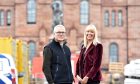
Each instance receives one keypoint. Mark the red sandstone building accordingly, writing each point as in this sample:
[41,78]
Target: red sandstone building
[117,22]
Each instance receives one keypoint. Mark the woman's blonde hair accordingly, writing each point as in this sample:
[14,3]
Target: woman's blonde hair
[92,28]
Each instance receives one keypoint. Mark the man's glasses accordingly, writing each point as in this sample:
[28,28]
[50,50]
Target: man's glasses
[60,32]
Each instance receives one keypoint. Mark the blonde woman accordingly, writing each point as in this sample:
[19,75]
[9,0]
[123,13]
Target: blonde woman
[89,62]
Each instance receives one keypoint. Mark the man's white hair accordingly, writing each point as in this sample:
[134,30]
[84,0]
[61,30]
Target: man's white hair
[56,28]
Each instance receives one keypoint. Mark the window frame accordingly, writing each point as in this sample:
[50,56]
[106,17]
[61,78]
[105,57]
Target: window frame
[120,20]
[112,57]
[113,18]
[8,17]
[31,11]
[106,18]
[84,12]
[32,43]
[2,18]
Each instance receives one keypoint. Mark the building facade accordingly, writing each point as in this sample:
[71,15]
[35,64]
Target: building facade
[117,22]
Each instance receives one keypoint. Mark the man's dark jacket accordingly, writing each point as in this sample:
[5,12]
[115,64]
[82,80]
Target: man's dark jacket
[56,63]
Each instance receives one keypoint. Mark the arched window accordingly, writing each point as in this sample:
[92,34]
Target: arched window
[32,50]
[120,18]
[84,12]
[31,12]
[106,18]
[113,52]
[1,17]
[8,18]
[113,18]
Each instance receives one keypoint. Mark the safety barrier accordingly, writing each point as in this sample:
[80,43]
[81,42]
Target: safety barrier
[19,52]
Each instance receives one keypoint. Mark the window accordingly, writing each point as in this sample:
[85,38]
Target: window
[84,12]
[113,52]
[106,18]
[113,18]
[120,18]
[8,17]
[32,50]
[31,12]
[1,17]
